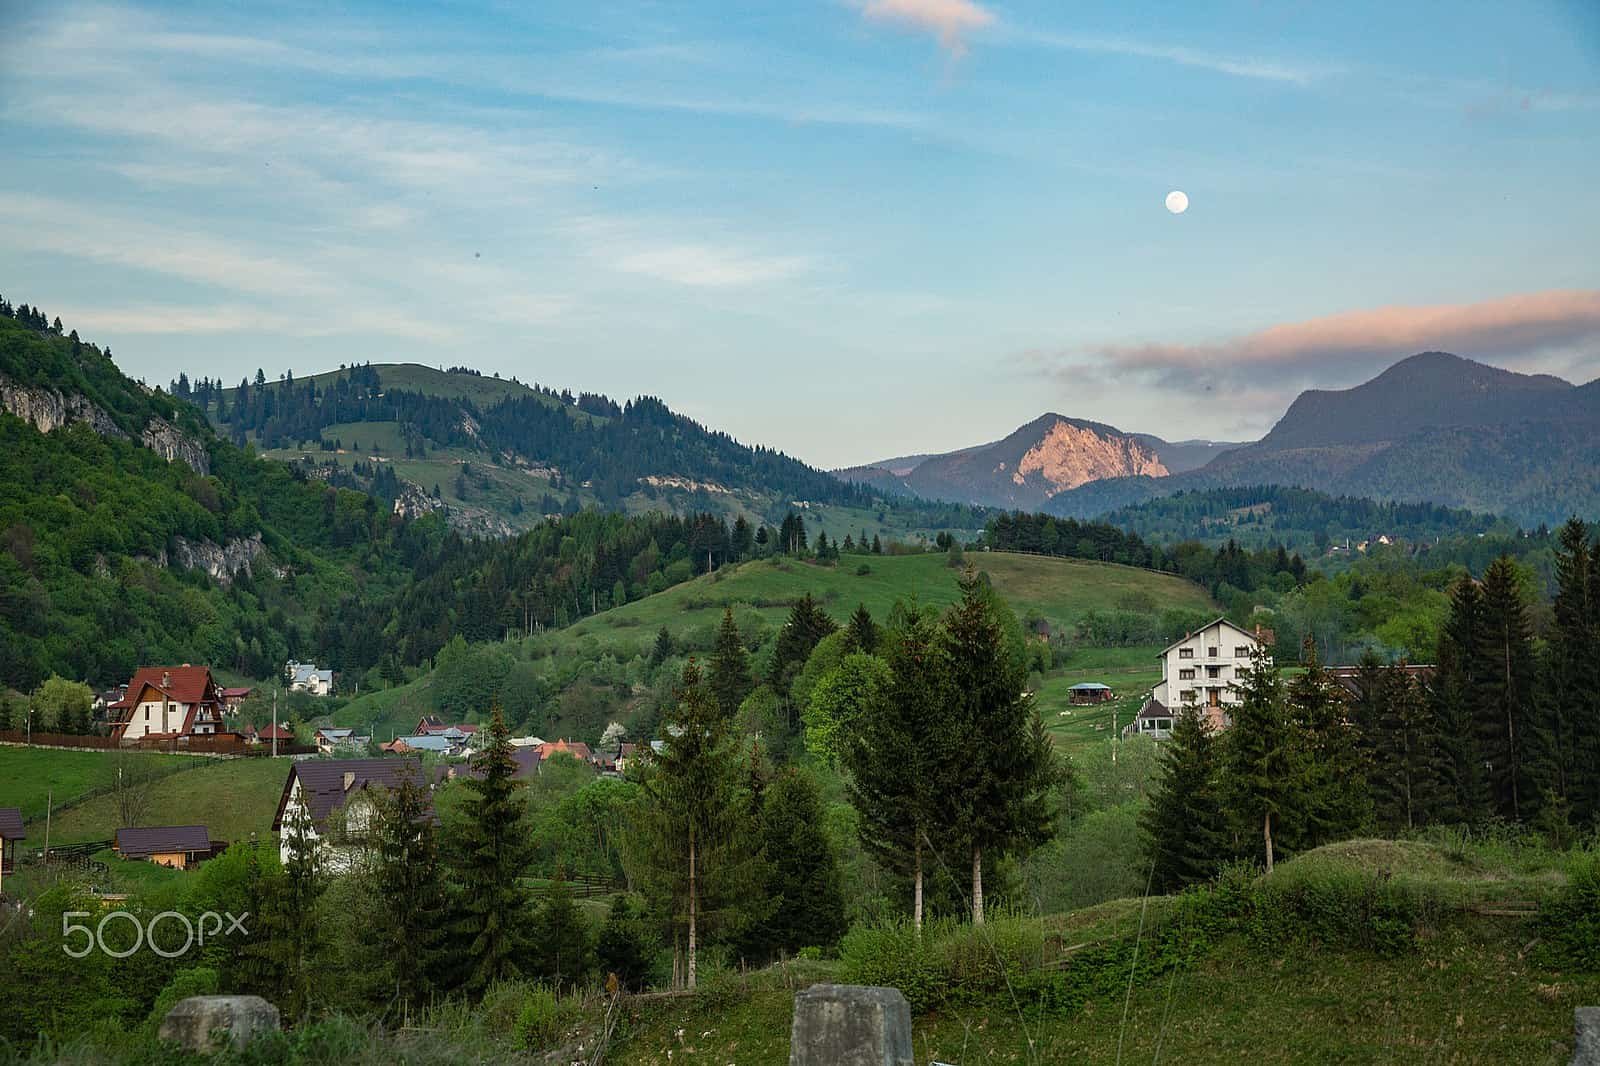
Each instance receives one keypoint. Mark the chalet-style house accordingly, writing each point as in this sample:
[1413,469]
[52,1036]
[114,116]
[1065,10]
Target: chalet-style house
[233,698]
[177,846]
[168,702]
[1199,670]
[306,677]
[267,735]
[10,833]
[333,738]
[336,797]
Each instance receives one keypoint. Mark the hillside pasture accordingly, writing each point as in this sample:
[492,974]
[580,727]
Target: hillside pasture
[31,777]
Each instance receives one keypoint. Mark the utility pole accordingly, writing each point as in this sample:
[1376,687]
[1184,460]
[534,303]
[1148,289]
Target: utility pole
[274,721]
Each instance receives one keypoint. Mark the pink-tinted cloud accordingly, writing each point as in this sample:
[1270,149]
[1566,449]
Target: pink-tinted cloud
[948,20]
[1501,329]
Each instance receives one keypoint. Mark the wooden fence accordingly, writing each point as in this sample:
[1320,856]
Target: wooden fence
[55,740]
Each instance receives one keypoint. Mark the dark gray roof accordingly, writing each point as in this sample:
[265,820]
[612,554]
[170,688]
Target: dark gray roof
[1090,686]
[1154,708]
[322,782]
[162,839]
[10,823]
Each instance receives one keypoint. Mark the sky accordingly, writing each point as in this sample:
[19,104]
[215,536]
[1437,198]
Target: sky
[848,229]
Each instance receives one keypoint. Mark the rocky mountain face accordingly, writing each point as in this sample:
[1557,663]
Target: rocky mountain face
[48,409]
[1051,455]
[1433,428]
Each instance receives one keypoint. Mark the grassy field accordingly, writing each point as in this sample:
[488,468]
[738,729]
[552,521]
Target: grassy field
[231,797]
[1061,590]
[30,776]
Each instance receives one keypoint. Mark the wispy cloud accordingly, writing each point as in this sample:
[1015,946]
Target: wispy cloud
[1235,66]
[1507,327]
[1249,379]
[951,21]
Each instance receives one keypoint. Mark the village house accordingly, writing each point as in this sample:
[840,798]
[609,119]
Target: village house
[337,800]
[1348,678]
[10,833]
[267,735]
[1199,670]
[168,702]
[177,846]
[306,677]
[331,738]
[233,698]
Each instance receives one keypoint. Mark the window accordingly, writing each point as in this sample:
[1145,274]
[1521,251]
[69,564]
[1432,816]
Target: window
[1186,653]
[1213,652]
[1213,671]
[1187,695]
[1186,674]
[1241,652]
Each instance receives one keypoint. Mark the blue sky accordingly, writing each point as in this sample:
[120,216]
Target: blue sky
[848,230]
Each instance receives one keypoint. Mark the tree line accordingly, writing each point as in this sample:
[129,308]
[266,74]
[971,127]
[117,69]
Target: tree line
[1500,728]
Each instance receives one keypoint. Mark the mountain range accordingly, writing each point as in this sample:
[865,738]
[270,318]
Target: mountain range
[1029,467]
[1434,428]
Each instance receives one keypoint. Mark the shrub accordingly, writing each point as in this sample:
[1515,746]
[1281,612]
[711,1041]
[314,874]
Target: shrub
[1569,927]
[545,1018]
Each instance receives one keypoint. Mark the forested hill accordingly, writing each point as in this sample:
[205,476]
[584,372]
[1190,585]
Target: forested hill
[497,455]
[120,547]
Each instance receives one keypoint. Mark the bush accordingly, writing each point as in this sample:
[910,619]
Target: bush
[1569,928]
[545,1018]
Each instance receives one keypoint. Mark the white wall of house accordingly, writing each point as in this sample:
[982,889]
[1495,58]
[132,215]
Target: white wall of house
[1202,668]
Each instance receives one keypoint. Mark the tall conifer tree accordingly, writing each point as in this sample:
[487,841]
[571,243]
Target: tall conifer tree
[409,883]
[1406,776]
[729,673]
[1262,764]
[1337,801]
[1464,795]
[1502,695]
[493,850]
[1185,829]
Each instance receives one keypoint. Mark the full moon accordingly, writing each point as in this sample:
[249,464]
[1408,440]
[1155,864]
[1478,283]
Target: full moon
[1177,201]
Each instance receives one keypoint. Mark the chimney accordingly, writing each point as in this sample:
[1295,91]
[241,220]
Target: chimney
[349,779]
[166,679]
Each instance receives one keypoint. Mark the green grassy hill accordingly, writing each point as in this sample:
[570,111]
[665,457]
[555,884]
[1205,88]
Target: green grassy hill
[1058,590]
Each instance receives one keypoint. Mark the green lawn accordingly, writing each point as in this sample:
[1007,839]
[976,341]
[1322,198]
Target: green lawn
[231,797]
[30,776]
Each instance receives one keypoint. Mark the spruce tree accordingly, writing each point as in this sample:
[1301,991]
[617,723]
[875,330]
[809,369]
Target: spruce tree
[1566,749]
[626,945]
[863,630]
[1337,802]
[1502,695]
[663,648]
[900,756]
[1185,829]
[1406,776]
[804,882]
[693,846]
[296,943]
[409,884]
[494,848]
[1007,766]
[564,955]
[1262,764]
[1464,796]
[804,629]
[729,672]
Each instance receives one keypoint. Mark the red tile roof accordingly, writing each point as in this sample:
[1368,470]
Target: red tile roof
[576,748]
[277,731]
[184,684]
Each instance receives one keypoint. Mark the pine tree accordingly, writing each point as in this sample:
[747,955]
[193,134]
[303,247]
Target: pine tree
[1337,802]
[626,945]
[296,943]
[862,630]
[565,947]
[1406,774]
[900,756]
[1566,748]
[729,672]
[1185,830]
[409,883]
[1464,795]
[804,882]
[663,648]
[804,629]
[1008,762]
[1502,692]
[877,545]
[692,846]
[493,851]
[1262,767]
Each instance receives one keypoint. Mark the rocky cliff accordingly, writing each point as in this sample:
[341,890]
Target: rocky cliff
[1070,454]
[223,562]
[49,409]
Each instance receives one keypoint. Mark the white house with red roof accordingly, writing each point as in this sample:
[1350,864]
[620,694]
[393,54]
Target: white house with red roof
[169,701]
